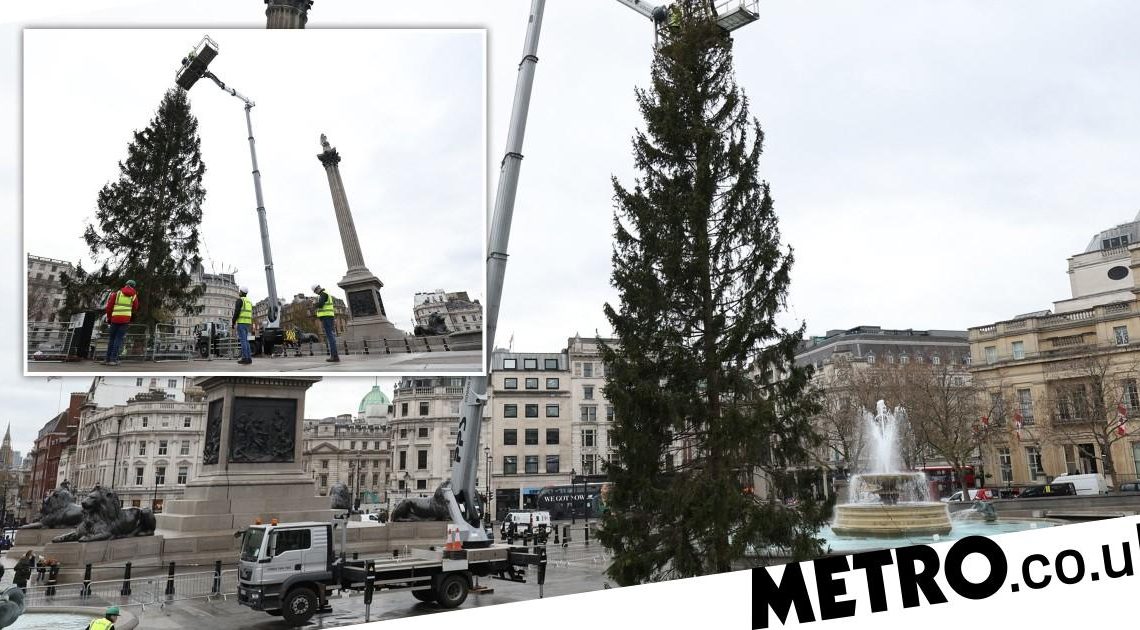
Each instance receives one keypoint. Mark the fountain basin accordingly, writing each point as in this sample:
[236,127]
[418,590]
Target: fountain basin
[891,520]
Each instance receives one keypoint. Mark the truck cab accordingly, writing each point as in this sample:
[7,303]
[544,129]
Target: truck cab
[284,568]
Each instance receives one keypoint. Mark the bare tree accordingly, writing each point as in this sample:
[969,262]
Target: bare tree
[1089,399]
[840,421]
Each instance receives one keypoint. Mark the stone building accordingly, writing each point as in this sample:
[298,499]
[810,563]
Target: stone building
[1043,371]
[353,450]
[459,312]
[52,442]
[591,414]
[145,449]
[216,304]
[45,288]
[301,313]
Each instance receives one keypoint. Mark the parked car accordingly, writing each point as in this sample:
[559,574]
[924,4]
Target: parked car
[1085,484]
[1130,486]
[976,494]
[1049,490]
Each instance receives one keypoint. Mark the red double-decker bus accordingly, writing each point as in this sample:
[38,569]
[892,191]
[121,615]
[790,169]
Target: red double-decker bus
[943,480]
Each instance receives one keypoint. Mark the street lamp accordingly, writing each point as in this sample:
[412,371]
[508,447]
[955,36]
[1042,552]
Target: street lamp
[573,487]
[407,483]
[487,507]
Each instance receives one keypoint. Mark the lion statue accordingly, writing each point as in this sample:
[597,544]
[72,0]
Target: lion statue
[59,510]
[341,497]
[433,509]
[436,325]
[105,518]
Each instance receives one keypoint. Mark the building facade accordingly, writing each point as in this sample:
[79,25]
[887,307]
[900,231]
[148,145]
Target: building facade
[52,441]
[591,414]
[1062,383]
[459,312]
[45,287]
[216,304]
[353,450]
[424,430]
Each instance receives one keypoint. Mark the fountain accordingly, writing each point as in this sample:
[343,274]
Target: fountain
[885,501]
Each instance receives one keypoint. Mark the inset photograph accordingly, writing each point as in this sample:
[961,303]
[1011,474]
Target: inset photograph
[254,200]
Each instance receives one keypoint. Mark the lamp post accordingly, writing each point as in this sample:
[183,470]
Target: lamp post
[487,507]
[573,486]
[407,483]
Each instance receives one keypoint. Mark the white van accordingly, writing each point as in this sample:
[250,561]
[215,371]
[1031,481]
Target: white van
[526,523]
[1085,484]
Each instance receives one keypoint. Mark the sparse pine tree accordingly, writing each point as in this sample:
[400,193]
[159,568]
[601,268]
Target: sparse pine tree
[146,223]
[705,393]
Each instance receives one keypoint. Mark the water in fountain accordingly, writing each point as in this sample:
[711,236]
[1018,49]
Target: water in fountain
[885,500]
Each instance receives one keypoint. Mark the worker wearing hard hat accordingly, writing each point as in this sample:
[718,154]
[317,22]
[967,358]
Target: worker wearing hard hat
[242,320]
[120,309]
[107,621]
[326,312]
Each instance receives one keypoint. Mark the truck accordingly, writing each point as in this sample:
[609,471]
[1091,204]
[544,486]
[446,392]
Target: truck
[289,569]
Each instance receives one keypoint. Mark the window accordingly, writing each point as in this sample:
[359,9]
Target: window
[530,364]
[325,464]
[551,383]
[1025,405]
[510,383]
[936,360]
[403,434]
[400,484]
[532,464]
[991,355]
[870,359]
[162,447]
[1121,335]
[291,540]
[142,448]
[1018,350]
[423,432]
[139,475]
[352,445]
[904,359]
[172,383]
[403,460]
[531,437]
[421,484]
[144,421]
[609,413]
[1006,465]
[551,463]
[421,460]
[375,479]
[551,436]
[589,414]
[403,409]
[1131,395]
[138,382]
[532,383]
[588,369]
[183,473]
[588,391]
[511,465]
[552,411]
[184,449]
[510,364]
[376,447]
[587,437]
[510,437]
[532,411]
[1033,456]
[160,475]
[425,407]
[186,422]
[588,464]
[550,364]
[324,481]
[510,411]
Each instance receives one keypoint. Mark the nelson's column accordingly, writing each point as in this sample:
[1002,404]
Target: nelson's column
[287,13]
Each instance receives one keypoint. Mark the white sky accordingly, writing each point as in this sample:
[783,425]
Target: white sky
[405,109]
[932,163]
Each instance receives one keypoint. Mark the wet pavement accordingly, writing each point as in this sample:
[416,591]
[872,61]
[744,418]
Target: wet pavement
[453,361]
[574,569]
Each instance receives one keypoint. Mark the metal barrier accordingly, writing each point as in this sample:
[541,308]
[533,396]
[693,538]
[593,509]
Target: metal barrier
[144,591]
[135,343]
[48,341]
[172,343]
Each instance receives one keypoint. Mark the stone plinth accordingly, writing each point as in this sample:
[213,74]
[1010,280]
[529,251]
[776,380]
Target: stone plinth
[251,460]
[900,519]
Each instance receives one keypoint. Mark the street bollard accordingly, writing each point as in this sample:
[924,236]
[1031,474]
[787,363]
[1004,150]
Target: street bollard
[85,592]
[170,581]
[126,591]
[556,535]
[586,531]
[566,533]
[365,346]
[217,589]
[356,555]
[345,347]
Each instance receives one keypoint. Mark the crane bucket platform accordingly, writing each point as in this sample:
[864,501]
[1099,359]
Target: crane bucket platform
[195,63]
[733,14]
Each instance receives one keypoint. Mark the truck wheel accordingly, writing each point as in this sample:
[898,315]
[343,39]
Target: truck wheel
[450,590]
[299,605]
[427,595]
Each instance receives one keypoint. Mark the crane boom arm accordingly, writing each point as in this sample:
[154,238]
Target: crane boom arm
[651,11]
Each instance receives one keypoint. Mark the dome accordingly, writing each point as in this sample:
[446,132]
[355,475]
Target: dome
[374,397]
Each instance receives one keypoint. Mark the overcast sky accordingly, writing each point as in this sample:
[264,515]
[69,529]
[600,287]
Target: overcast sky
[404,108]
[933,164]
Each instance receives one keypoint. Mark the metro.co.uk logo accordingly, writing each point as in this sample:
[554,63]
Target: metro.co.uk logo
[908,576]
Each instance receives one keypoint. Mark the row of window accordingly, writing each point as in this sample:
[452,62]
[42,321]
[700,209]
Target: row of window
[530,437]
[1071,400]
[586,413]
[553,464]
[163,447]
[421,460]
[363,463]
[530,364]
[362,480]
[1017,348]
[160,475]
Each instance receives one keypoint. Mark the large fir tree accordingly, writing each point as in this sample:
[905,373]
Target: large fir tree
[702,381]
[146,224]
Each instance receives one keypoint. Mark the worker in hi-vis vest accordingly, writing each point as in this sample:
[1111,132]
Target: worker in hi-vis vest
[120,308]
[242,320]
[327,314]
